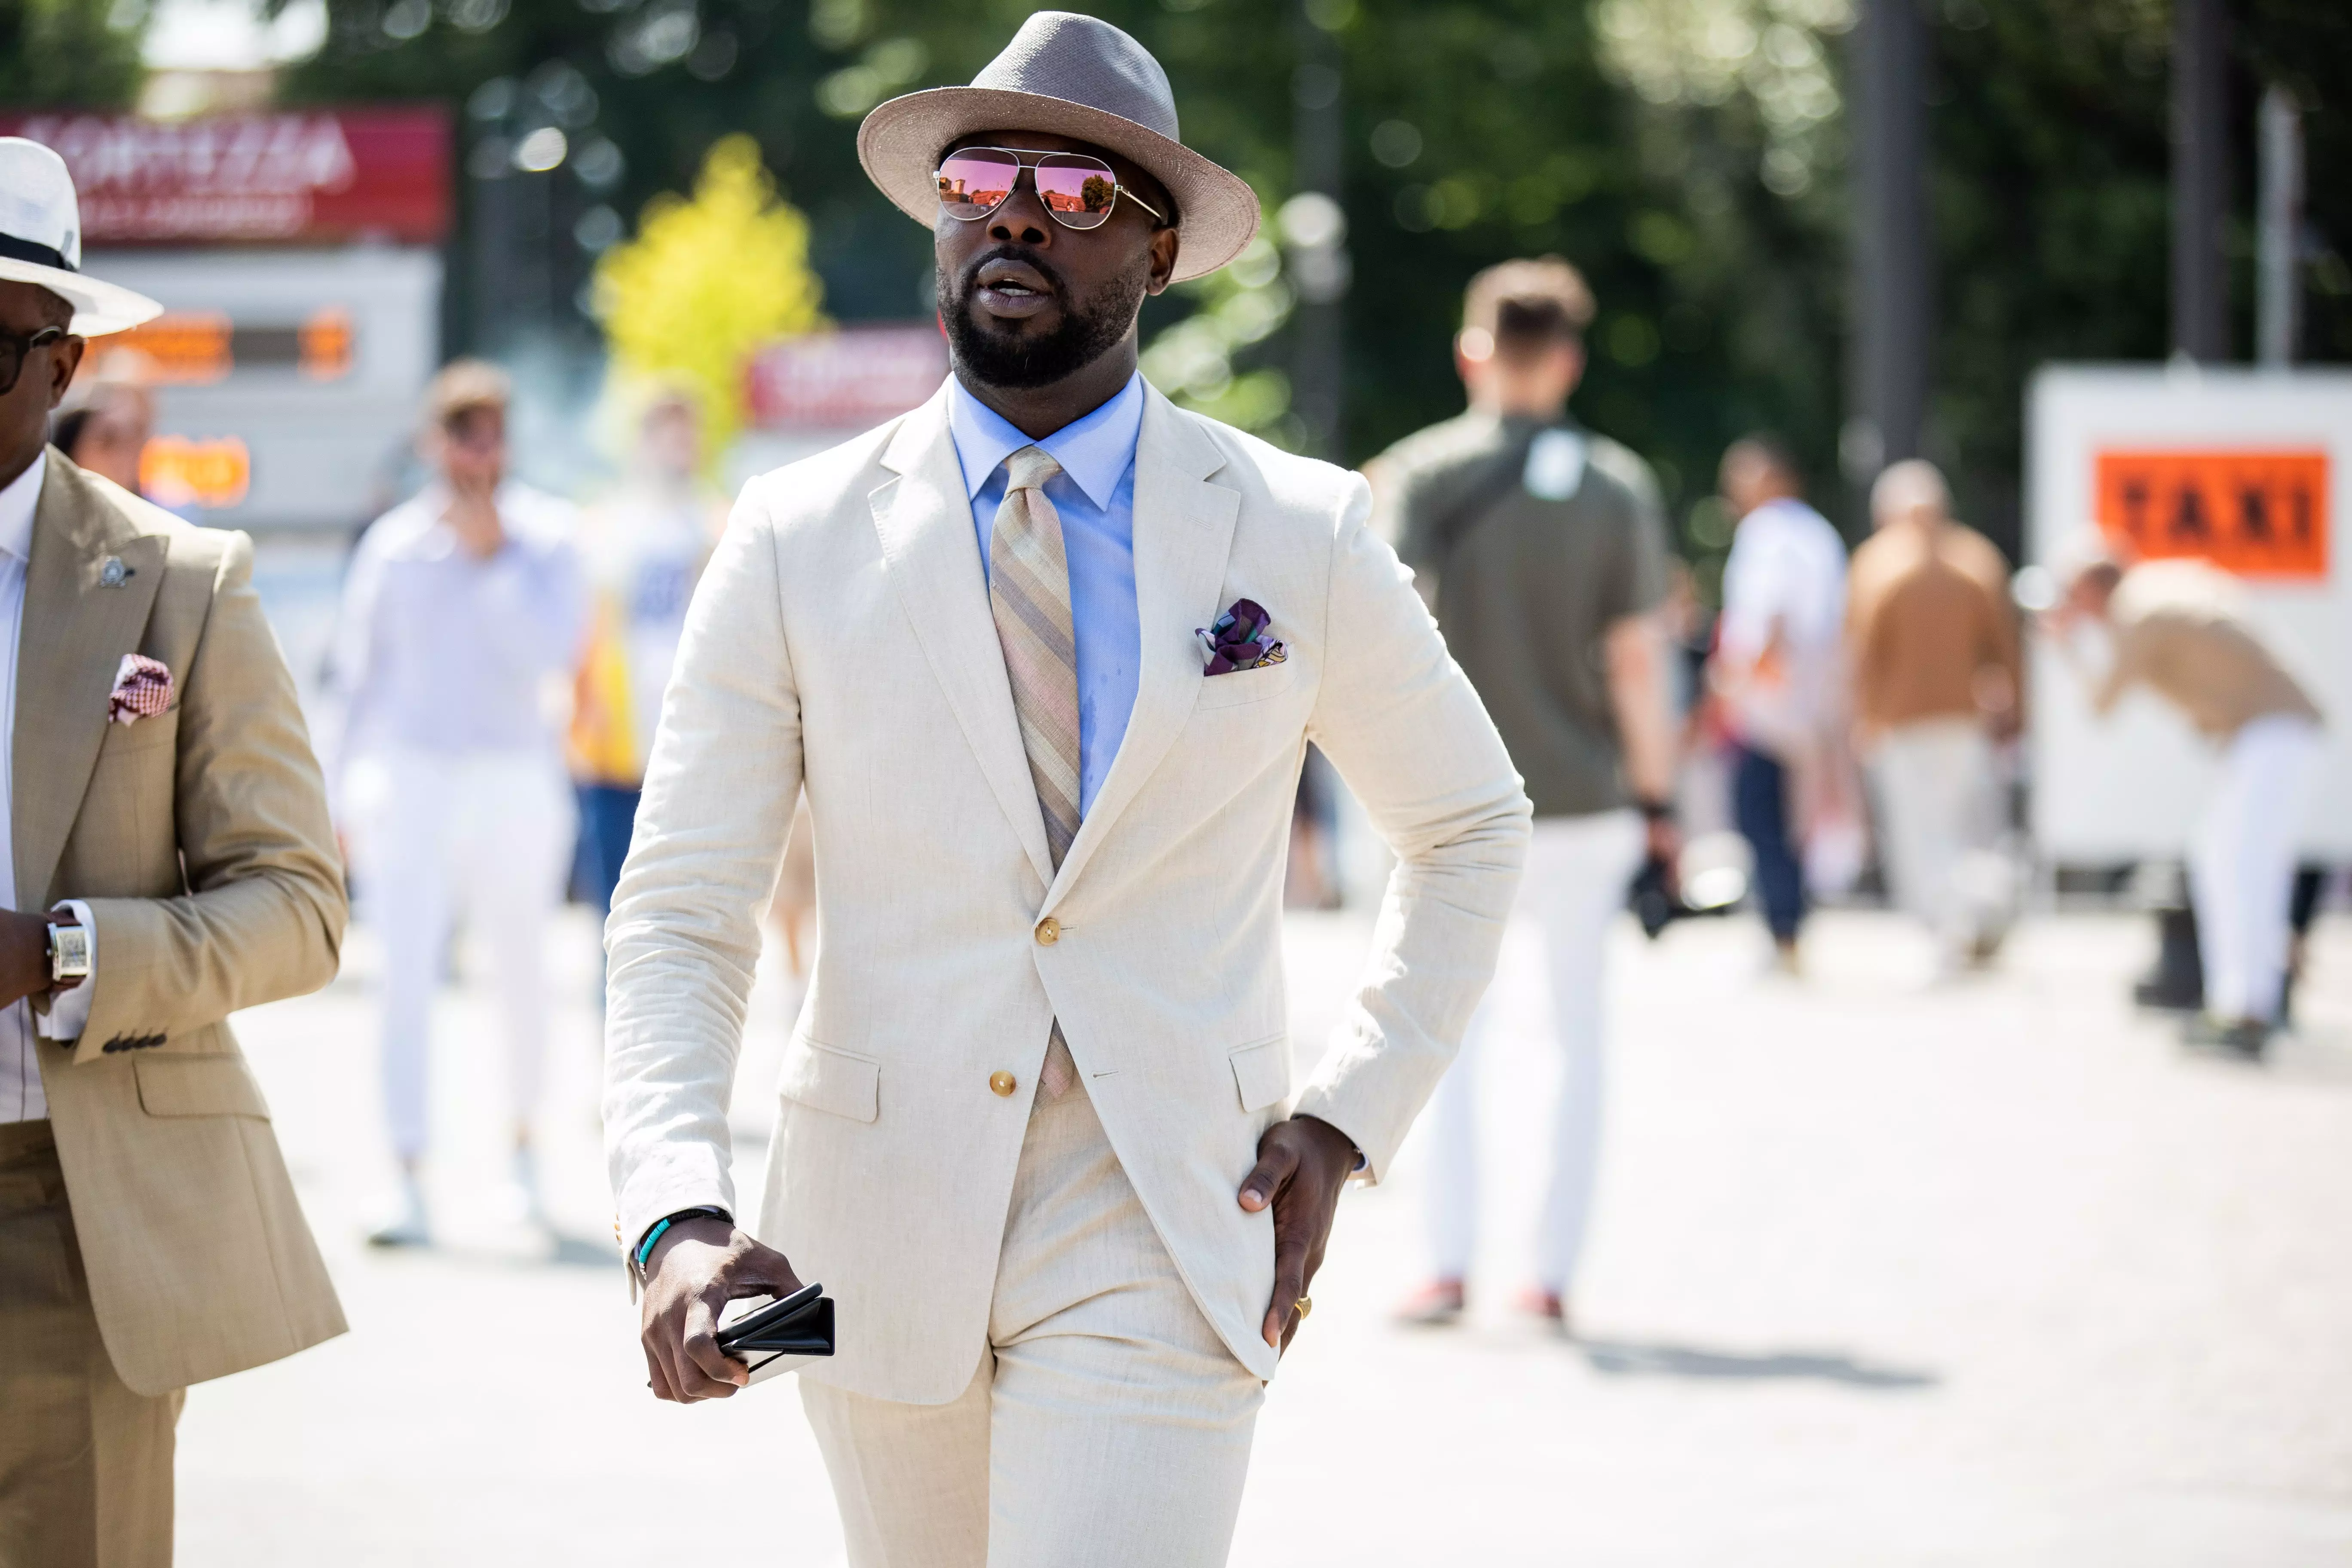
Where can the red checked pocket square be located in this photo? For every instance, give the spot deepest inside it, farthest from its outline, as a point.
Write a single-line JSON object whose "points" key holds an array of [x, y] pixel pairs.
{"points": [[142, 688]]}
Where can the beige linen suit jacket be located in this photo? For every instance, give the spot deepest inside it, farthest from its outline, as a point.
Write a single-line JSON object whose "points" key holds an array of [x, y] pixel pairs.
{"points": [[199, 838], [843, 639]]}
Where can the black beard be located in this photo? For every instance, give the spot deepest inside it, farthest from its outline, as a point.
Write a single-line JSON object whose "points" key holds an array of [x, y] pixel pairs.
{"points": [[1091, 327]]}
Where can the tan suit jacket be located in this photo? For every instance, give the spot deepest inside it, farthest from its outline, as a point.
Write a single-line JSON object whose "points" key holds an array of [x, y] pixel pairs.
{"points": [[199, 836], [842, 638]]}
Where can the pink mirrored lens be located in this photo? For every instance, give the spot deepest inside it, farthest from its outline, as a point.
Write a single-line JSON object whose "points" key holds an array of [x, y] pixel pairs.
{"points": [[1079, 190], [973, 184]]}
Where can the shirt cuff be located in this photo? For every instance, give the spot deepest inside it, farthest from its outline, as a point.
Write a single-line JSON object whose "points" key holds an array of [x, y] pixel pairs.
{"points": [[69, 1010]]}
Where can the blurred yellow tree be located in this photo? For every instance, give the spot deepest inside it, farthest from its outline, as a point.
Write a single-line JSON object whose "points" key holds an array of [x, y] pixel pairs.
{"points": [[705, 281]]}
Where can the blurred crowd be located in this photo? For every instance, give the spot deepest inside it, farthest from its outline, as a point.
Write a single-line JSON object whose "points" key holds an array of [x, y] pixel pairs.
{"points": [[1841, 721]]}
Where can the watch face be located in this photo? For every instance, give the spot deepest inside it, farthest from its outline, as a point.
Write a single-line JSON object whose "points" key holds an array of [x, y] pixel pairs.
{"points": [[69, 953]]}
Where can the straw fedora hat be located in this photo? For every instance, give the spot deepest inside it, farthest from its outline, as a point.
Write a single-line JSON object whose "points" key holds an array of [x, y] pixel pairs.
{"points": [[40, 241], [1072, 76]]}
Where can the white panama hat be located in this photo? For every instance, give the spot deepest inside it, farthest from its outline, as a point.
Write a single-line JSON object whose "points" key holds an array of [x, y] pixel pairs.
{"points": [[40, 241], [1078, 77]]}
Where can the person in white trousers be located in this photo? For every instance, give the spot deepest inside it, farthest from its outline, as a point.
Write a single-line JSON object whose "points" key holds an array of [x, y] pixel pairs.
{"points": [[462, 606], [1541, 547], [2185, 630], [1931, 648]]}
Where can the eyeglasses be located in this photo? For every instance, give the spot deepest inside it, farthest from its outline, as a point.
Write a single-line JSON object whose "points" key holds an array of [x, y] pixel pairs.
{"points": [[15, 347], [1079, 191]]}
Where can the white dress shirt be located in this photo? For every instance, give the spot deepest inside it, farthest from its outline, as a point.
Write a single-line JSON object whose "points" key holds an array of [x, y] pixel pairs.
{"points": [[441, 653], [21, 1098], [1785, 576]]}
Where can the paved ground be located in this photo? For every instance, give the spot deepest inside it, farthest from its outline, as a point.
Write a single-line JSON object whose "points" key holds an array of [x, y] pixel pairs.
{"points": [[1884, 1274]]}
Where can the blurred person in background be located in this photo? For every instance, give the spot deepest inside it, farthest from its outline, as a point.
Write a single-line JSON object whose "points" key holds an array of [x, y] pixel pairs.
{"points": [[462, 606], [165, 860], [1541, 547], [643, 547], [105, 429], [1931, 642], [2183, 629], [1775, 674]]}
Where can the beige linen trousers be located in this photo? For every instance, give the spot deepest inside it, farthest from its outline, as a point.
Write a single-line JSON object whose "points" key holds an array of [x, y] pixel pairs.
{"points": [[842, 639]]}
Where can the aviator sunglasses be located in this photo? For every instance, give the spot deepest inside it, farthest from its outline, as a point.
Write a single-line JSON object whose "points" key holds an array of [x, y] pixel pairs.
{"points": [[1078, 190]]}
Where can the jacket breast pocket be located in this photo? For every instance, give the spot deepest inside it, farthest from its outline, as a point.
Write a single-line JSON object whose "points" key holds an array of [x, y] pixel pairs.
{"points": [[825, 1078], [1237, 687], [1262, 1073], [140, 735], [198, 1086]]}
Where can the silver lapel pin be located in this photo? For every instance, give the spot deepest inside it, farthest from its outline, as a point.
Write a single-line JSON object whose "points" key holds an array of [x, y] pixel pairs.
{"points": [[112, 572]]}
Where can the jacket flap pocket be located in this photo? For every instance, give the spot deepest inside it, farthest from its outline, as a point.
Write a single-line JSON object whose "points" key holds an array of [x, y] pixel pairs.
{"points": [[828, 1080], [198, 1086], [1262, 1073]]}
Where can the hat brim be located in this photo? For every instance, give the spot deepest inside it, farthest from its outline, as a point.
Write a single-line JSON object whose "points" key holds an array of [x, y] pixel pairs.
{"points": [[900, 142], [99, 307]]}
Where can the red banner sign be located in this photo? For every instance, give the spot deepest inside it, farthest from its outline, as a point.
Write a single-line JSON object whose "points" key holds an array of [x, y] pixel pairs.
{"points": [[852, 377], [2253, 512], [304, 178]]}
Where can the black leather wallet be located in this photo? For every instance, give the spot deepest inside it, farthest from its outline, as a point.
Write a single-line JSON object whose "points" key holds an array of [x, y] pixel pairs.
{"points": [[798, 1325]]}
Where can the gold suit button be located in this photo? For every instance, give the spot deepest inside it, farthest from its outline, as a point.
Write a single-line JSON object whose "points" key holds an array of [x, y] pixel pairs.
{"points": [[1001, 1082], [1049, 931]]}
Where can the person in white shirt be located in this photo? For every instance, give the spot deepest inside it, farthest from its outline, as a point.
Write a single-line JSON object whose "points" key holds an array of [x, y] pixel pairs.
{"points": [[1775, 670], [463, 607]]}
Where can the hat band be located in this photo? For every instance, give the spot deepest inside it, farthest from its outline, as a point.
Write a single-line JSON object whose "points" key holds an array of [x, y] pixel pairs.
{"points": [[16, 249]]}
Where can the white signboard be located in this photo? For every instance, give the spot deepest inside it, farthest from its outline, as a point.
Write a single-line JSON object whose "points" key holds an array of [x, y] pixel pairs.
{"points": [[290, 379], [2252, 470]]}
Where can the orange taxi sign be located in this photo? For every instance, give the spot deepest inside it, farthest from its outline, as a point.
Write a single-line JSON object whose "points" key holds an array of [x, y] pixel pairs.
{"points": [[2253, 511]]}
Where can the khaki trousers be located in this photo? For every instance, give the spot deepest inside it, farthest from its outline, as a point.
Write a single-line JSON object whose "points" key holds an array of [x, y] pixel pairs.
{"points": [[84, 1464], [1106, 1423]]}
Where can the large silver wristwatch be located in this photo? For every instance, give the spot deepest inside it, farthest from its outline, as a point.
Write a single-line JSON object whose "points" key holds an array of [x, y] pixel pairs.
{"points": [[68, 954]]}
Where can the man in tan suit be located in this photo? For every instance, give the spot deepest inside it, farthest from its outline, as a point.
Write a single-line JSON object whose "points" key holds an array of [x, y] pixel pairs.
{"points": [[1047, 654], [169, 859]]}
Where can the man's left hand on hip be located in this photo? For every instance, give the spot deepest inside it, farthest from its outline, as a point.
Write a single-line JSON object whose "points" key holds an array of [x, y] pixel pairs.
{"points": [[1302, 1164]]}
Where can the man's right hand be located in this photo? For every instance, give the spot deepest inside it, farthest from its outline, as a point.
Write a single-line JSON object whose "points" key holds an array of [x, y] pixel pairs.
{"points": [[696, 1268]]}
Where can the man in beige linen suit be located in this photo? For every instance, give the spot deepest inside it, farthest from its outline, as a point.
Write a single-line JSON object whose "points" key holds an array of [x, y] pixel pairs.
{"points": [[1037, 1132], [168, 856]]}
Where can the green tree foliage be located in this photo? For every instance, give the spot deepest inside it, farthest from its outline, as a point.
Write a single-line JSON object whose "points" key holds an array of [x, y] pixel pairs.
{"points": [[1688, 155], [707, 281], [81, 53]]}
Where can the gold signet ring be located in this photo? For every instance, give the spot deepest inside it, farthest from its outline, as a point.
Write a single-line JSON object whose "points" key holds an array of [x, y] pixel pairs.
{"points": [[1303, 1306]]}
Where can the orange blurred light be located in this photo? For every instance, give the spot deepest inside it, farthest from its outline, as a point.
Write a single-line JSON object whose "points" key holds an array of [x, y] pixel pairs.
{"points": [[326, 344], [186, 348], [182, 470]]}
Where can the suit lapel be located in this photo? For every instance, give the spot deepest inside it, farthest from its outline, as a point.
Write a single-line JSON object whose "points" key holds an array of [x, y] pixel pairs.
{"points": [[1183, 533], [71, 641], [929, 548]]}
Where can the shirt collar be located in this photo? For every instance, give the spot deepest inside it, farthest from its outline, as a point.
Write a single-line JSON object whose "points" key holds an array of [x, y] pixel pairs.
{"points": [[1094, 451], [18, 504]]}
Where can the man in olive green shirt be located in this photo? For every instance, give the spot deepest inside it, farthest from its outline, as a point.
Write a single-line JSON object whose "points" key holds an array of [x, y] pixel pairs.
{"points": [[1541, 547]]}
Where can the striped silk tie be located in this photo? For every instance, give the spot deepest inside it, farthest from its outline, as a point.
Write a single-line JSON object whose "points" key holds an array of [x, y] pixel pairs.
{"points": [[1029, 593]]}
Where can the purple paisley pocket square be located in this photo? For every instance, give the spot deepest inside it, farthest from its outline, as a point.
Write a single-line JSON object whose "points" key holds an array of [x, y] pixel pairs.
{"points": [[1239, 640]]}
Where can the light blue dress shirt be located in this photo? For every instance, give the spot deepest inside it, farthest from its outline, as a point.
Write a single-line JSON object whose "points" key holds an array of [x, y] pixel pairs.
{"points": [[1095, 495]]}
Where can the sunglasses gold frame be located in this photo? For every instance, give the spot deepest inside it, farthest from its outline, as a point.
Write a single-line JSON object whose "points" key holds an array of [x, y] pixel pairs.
{"points": [[1029, 163]]}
